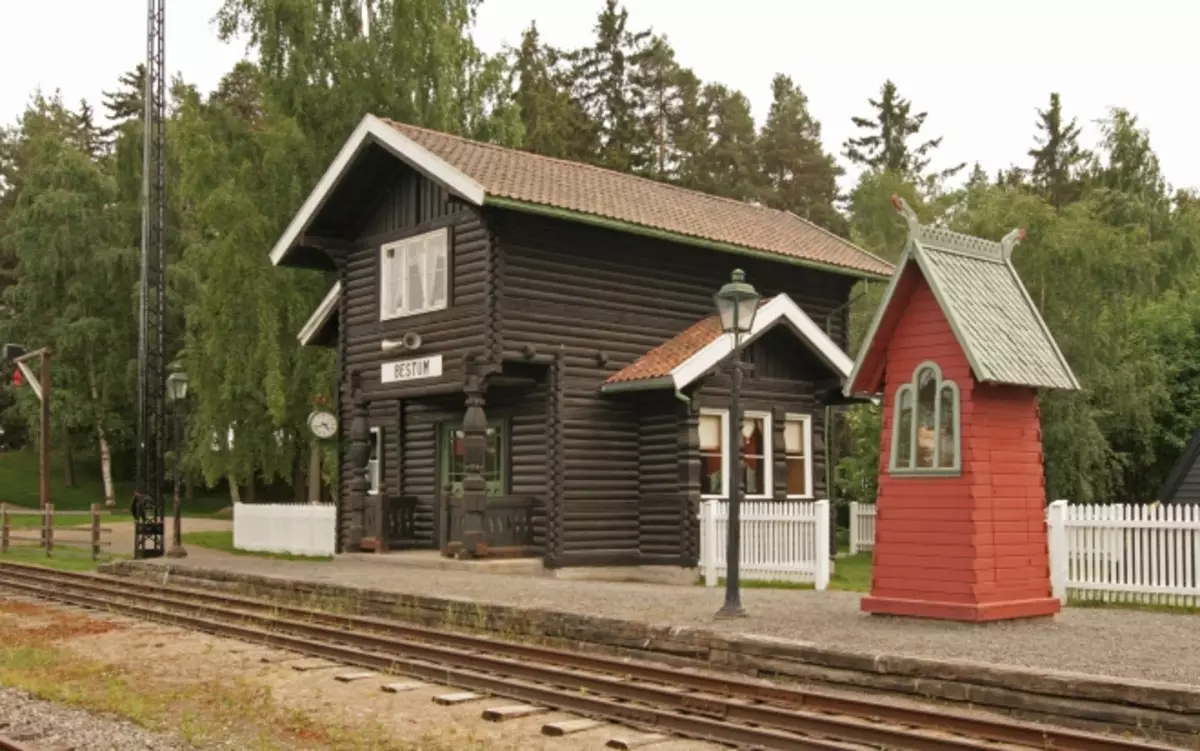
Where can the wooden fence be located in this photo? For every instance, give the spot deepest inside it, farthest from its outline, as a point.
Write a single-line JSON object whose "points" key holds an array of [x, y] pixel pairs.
{"points": [[49, 536], [1125, 553], [781, 541], [862, 527], [293, 528]]}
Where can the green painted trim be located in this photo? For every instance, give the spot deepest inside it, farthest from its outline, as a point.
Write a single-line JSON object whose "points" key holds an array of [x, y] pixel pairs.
{"points": [[643, 384], [639, 229], [911, 388], [503, 426]]}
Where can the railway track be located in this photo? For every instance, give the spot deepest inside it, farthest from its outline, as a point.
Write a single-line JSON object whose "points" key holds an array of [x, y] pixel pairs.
{"points": [[723, 709]]}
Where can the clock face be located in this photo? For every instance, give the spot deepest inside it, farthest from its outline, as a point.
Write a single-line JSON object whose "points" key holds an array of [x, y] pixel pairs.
{"points": [[322, 424]]}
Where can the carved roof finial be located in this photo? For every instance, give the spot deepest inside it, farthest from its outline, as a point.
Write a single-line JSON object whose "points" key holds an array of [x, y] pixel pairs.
{"points": [[906, 211], [1009, 241]]}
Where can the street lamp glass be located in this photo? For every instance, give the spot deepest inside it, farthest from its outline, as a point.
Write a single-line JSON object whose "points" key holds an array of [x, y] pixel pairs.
{"points": [[177, 385], [740, 298]]}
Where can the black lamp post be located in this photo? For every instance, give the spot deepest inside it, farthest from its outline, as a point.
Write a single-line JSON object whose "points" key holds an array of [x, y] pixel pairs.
{"points": [[737, 303], [177, 385]]}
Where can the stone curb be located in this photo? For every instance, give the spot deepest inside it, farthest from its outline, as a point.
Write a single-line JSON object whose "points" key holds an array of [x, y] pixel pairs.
{"points": [[1067, 698]]}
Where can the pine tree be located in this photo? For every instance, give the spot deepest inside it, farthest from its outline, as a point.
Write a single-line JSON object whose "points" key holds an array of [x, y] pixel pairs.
{"points": [[1058, 160], [554, 124], [730, 166], [603, 87], [800, 176], [655, 82], [886, 146]]}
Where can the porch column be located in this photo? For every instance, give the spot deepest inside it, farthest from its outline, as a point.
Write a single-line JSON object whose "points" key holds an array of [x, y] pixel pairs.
{"points": [[473, 504], [358, 456]]}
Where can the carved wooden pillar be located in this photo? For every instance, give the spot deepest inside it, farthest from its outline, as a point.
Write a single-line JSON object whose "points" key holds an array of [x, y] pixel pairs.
{"points": [[358, 456], [472, 506]]}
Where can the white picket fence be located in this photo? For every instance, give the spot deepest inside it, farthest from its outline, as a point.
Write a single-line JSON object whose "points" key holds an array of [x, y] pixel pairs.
{"points": [[862, 527], [1125, 553], [294, 528], [780, 541]]}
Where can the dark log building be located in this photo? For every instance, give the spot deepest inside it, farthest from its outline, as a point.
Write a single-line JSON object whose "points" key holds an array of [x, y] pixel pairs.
{"points": [[529, 361]]}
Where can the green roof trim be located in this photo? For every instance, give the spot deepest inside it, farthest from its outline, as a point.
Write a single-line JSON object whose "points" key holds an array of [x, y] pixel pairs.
{"points": [[658, 234], [643, 384]]}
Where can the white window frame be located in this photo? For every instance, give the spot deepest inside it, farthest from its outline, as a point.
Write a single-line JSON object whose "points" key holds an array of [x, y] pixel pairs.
{"points": [[390, 275], [374, 466], [726, 453], [806, 436]]}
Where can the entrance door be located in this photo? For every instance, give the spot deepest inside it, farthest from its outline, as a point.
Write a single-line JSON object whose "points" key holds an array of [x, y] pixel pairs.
{"points": [[453, 469]]}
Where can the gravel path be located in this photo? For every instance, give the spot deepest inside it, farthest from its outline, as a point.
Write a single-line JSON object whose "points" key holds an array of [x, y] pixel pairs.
{"points": [[52, 724], [1122, 643]]}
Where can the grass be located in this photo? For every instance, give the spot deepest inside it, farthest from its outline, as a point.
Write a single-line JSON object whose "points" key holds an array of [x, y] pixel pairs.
{"points": [[20, 485], [62, 558], [223, 541], [225, 712], [852, 573]]}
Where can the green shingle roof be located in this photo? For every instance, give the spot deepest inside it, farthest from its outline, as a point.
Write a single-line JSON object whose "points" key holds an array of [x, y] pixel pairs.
{"points": [[988, 308]]}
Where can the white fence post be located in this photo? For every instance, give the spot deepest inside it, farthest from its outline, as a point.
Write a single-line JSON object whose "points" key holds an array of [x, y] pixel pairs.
{"points": [[1059, 554], [821, 567], [853, 527], [708, 541]]}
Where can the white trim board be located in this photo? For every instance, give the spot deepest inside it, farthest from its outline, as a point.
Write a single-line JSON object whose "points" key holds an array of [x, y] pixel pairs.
{"points": [[321, 315], [371, 129], [780, 308]]}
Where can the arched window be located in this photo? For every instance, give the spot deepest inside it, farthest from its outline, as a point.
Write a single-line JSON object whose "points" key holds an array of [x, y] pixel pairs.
{"points": [[926, 435]]}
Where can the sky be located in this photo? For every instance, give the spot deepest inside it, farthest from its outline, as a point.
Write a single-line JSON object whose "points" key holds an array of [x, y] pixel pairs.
{"points": [[981, 70]]}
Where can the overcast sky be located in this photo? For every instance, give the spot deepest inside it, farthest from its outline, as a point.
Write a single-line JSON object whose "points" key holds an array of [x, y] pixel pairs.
{"points": [[981, 69]]}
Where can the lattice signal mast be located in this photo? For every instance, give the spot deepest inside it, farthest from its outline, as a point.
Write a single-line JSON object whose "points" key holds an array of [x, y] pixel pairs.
{"points": [[148, 505]]}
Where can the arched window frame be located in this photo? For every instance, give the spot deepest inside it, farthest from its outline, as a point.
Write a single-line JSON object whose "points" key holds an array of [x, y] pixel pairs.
{"points": [[911, 391]]}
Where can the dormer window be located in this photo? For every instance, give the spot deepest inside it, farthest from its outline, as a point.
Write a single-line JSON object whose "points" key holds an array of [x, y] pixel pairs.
{"points": [[414, 275], [926, 435]]}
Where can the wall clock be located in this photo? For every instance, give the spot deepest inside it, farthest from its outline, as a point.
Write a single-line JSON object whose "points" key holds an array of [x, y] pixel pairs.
{"points": [[323, 424]]}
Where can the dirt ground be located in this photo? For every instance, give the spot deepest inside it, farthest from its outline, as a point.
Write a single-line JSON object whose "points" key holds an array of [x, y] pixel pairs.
{"points": [[222, 692]]}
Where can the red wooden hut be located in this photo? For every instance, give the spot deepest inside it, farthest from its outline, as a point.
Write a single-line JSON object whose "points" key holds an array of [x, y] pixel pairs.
{"points": [[958, 350]]}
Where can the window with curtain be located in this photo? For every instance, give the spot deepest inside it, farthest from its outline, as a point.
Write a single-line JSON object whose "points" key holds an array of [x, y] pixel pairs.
{"points": [[797, 440], [926, 435], [754, 465]]}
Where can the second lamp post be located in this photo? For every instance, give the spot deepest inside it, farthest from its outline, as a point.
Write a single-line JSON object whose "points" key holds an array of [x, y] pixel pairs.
{"points": [[177, 386], [737, 303]]}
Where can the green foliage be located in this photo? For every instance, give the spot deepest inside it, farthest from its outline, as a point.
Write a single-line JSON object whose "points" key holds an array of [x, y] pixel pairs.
{"points": [[1111, 258]]}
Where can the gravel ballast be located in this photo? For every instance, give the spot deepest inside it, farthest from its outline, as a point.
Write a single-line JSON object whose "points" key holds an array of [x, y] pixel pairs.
{"points": [[1149, 646], [51, 724]]}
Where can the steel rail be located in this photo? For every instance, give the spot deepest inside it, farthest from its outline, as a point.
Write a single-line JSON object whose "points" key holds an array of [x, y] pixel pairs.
{"points": [[994, 729], [646, 705], [738, 690]]}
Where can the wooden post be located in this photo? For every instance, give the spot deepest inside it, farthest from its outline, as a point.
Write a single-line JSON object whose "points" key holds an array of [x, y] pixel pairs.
{"points": [[48, 520], [4, 528], [95, 532], [44, 420]]}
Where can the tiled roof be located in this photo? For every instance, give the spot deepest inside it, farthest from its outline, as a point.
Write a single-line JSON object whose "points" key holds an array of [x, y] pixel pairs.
{"points": [[992, 316], [572, 186], [992, 313], [660, 361]]}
